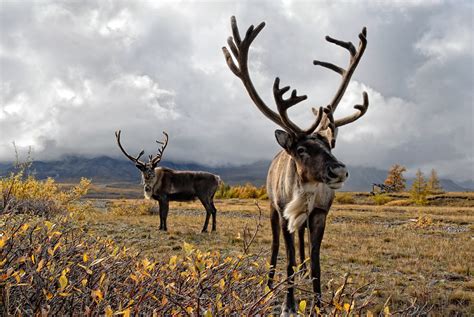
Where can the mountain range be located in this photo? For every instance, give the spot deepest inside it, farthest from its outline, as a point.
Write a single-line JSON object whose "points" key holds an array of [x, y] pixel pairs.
{"points": [[106, 169]]}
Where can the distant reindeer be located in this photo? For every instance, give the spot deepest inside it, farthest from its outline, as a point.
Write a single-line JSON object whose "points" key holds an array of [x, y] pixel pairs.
{"points": [[302, 177], [165, 185]]}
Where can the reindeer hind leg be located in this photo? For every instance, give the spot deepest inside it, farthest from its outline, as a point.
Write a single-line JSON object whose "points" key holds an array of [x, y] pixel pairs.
{"points": [[208, 208], [214, 212]]}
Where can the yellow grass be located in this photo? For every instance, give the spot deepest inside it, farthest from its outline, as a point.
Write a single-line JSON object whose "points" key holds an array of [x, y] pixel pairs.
{"points": [[407, 252]]}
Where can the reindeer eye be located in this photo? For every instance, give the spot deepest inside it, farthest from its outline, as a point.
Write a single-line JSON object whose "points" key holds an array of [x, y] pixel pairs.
{"points": [[301, 150]]}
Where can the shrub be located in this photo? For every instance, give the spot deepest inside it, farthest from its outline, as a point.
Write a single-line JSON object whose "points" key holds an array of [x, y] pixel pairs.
{"points": [[381, 199], [27, 194], [55, 268], [345, 198], [131, 207], [247, 191], [424, 222]]}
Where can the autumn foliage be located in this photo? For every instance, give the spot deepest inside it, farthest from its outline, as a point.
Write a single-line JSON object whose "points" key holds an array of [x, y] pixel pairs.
{"points": [[22, 194], [395, 178], [58, 269], [241, 191]]}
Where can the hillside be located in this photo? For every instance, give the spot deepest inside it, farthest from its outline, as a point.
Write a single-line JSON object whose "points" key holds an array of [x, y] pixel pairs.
{"points": [[110, 170]]}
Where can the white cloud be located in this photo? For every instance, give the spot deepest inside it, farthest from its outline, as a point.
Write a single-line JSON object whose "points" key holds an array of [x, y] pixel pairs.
{"points": [[74, 72]]}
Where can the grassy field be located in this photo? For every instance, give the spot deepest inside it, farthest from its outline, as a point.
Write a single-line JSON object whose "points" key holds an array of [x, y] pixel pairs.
{"points": [[405, 253]]}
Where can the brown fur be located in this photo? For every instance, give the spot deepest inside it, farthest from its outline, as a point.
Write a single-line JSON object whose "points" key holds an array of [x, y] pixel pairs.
{"points": [[302, 178], [165, 185]]}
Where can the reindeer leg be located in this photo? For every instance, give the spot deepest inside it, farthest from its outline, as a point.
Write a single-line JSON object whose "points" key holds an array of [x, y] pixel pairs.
{"points": [[164, 207], [316, 226], [208, 213], [161, 204], [214, 212], [301, 232], [275, 223], [289, 306]]}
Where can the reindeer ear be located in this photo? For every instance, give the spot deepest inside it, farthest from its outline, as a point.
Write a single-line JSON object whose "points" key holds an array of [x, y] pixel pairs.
{"points": [[284, 139], [140, 167]]}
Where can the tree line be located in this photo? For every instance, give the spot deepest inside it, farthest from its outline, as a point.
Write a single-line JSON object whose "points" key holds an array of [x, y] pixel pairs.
{"points": [[420, 188]]}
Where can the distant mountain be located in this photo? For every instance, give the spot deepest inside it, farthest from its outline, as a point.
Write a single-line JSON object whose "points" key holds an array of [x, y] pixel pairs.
{"points": [[106, 170], [361, 178], [467, 184]]}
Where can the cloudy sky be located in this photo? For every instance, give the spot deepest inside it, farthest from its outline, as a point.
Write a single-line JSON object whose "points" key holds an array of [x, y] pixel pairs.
{"points": [[73, 72]]}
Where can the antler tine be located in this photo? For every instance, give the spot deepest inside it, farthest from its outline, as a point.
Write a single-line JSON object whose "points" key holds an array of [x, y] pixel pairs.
{"points": [[345, 73], [330, 124], [284, 104], [319, 116], [347, 45], [158, 156], [240, 50], [134, 159], [362, 109]]}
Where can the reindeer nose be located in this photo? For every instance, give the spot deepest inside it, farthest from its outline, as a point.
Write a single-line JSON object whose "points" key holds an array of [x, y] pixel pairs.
{"points": [[147, 188], [338, 171]]}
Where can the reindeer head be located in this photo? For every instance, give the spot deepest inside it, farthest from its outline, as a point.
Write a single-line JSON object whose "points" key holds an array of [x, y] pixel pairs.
{"points": [[310, 148], [149, 177]]}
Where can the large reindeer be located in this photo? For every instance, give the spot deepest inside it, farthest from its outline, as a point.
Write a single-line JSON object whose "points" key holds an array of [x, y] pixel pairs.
{"points": [[164, 184], [303, 176]]}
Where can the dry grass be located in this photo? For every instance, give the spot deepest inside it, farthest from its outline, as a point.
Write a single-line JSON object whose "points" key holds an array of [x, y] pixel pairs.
{"points": [[407, 252]]}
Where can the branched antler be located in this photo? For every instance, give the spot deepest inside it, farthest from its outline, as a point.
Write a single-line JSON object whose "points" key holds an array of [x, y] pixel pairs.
{"points": [[240, 51], [355, 56], [133, 159], [153, 160], [237, 60]]}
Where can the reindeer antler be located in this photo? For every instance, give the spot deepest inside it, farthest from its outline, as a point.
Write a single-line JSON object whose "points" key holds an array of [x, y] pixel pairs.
{"points": [[133, 159], [240, 51], [355, 56], [238, 64], [153, 160]]}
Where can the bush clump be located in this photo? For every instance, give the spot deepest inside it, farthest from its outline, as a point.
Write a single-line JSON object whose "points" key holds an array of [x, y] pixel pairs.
{"points": [[56, 268], [381, 199], [20, 194], [247, 191], [345, 198]]}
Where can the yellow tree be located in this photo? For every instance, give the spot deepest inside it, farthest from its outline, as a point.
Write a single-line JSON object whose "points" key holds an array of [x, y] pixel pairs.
{"points": [[434, 185], [395, 178], [419, 189]]}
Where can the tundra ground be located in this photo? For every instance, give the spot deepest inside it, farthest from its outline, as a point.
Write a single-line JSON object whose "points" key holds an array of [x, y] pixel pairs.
{"points": [[405, 253]]}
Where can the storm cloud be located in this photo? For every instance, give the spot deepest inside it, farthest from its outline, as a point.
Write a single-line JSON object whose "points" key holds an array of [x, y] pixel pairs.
{"points": [[73, 72]]}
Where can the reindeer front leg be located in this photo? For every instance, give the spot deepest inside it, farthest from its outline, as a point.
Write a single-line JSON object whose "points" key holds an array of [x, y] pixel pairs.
{"points": [[301, 232], [317, 224], [289, 306], [164, 207]]}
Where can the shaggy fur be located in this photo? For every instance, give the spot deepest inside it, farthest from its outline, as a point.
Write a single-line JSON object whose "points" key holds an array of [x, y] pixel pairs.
{"points": [[303, 202]]}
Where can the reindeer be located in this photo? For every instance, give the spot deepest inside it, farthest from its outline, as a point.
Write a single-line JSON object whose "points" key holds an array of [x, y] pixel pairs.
{"points": [[303, 177], [164, 184]]}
